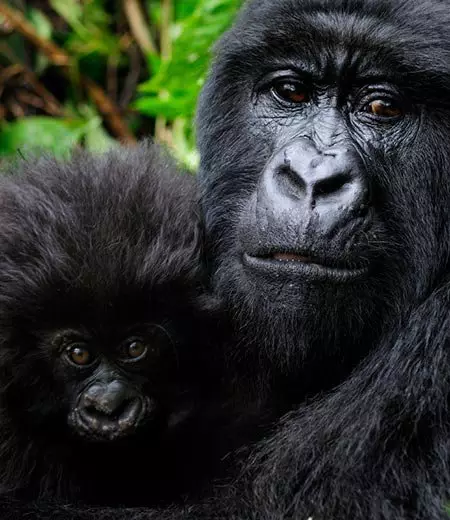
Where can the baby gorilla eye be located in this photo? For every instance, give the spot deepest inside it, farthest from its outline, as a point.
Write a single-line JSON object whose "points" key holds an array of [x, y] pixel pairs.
{"points": [[136, 350], [78, 354], [384, 108], [290, 90]]}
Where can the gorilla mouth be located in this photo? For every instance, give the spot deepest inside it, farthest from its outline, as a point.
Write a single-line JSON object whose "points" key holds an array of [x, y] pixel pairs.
{"points": [[305, 266], [114, 427]]}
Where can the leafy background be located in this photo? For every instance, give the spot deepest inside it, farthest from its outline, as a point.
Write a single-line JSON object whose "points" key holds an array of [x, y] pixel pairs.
{"points": [[95, 72]]}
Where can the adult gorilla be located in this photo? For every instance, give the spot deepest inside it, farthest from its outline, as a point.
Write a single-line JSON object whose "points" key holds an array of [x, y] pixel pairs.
{"points": [[325, 138], [324, 132]]}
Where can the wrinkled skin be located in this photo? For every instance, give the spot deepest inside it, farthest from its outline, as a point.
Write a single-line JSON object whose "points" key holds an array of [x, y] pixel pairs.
{"points": [[324, 135]]}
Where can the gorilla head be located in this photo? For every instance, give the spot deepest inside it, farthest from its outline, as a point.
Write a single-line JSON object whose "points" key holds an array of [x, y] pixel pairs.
{"points": [[100, 296], [323, 131]]}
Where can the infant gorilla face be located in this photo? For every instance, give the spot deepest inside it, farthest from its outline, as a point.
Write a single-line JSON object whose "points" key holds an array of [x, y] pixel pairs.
{"points": [[115, 387]]}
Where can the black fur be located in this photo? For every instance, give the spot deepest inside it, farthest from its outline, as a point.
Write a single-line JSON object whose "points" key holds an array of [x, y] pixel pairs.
{"points": [[102, 244]]}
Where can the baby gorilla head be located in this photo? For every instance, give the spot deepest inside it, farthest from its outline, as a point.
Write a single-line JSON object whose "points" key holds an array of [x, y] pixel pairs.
{"points": [[100, 293]]}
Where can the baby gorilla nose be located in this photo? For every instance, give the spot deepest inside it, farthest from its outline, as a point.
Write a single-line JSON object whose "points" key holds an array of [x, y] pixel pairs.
{"points": [[108, 411], [105, 398]]}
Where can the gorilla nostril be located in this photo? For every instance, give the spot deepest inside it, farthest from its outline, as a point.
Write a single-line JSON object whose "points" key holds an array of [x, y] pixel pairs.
{"points": [[131, 412], [332, 184], [317, 161], [291, 177]]}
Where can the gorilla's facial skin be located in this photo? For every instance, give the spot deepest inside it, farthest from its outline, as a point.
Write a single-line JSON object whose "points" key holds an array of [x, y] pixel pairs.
{"points": [[114, 382], [324, 139]]}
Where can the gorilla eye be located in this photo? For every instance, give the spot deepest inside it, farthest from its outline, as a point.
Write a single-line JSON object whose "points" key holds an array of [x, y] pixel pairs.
{"points": [[136, 350], [79, 355], [291, 91], [384, 108]]}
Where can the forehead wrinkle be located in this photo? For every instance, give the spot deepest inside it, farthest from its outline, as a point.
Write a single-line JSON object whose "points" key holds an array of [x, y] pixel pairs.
{"points": [[352, 41], [345, 45]]}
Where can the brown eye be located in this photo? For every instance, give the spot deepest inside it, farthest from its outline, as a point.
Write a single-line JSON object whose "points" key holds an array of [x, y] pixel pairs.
{"points": [[384, 108], [136, 350], [291, 91], [79, 355]]}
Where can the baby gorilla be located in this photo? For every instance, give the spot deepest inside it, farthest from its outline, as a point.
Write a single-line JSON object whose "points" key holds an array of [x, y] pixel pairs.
{"points": [[103, 328]]}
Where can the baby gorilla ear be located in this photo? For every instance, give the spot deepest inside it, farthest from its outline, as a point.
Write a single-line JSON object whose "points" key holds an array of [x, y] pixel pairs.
{"points": [[109, 410]]}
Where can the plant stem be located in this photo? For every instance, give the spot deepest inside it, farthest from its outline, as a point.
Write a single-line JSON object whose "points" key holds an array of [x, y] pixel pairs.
{"points": [[161, 132], [166, 21], [139, 27]]}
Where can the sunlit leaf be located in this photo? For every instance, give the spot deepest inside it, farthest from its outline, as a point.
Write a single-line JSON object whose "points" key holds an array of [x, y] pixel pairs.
{"points": [[173, 89], [40, 133], [96, 138]]}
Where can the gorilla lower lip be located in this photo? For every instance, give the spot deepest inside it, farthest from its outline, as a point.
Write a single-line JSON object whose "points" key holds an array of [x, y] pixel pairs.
{"points": [[304, 267]]}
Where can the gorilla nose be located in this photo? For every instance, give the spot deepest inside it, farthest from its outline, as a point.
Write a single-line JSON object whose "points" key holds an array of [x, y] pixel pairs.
{"points": [[326, 182], [111, 401]]}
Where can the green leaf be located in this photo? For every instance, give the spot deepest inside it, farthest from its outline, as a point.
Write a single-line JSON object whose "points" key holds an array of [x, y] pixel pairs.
{"points": [[41, 23], [70, 10], [174, 87], [91, 27], [40, 133], [96, 138]]}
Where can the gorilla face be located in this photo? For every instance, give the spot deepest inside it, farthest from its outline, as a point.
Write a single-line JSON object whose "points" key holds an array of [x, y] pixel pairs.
{"points": [[112, 388], [324, 135]]}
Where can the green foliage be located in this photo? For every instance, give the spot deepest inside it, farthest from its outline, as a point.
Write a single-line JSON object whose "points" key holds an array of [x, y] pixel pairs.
{"points": [[44, 28], [34, 133], [90, 27], [98, 37], [173, 89], [58, 136]]}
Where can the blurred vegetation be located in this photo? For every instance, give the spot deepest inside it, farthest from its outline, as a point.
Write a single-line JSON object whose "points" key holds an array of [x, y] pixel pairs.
{"points": [[94, 72]]}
